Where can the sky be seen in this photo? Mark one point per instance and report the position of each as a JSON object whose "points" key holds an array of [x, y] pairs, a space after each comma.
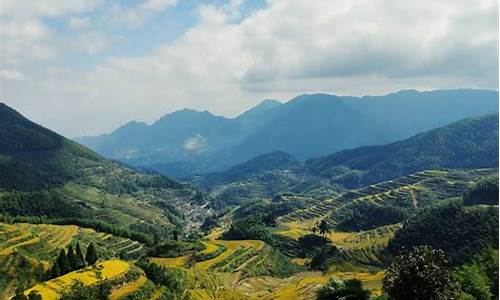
{"points": [[85, 67]]}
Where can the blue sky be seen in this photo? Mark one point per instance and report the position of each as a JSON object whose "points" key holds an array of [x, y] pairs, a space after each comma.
{"points": [[87, 66]]}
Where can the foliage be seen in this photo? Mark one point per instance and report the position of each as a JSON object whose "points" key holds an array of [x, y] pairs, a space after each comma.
{"points": [[484, 191], [459, 231], [479, 278], [469, 143], [366, 215], [79, 291], [337, 289], [249, 228], [312, 244], [420, 273], [209, 223], [70, 261], [91, 255], [173, 248], [268, 211], [175, 280], [201, 256]]}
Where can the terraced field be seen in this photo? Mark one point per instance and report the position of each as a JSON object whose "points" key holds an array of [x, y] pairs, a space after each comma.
{"points": [[214, 263], [409, 191], [28, 250], [105, 270], [128, 288]]}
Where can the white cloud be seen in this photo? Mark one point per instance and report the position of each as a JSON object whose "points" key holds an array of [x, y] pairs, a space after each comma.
{"points": [[135, 16], [195, 144], [25, 41], [79, 23], [45, 8], [227, 62], [11, 74], [92, 42]]}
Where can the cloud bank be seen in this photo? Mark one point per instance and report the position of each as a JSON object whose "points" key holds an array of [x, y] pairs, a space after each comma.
{"points": [[227, 61]]}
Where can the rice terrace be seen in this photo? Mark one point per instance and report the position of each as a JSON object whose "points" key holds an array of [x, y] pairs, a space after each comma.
{"points": [[249, 150]]}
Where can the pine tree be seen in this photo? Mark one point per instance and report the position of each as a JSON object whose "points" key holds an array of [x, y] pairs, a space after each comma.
{"points": [[55, 271], [91, 255], [323, 228], [63, 263], [72, 258], [79, 256]]}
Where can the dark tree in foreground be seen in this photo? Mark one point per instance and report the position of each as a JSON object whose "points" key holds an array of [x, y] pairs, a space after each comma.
{"points": [[72, 258], [421, 273], [34, 295], [80, 259], [63, 263], [55, 271], [343, 290], [91, 255], [19, 295], [324, 228]]}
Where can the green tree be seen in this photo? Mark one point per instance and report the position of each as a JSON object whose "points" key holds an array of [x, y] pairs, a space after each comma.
{"points": [[343, 290], [421, 273], [474, 283], [34, 295], [78, 291], [55, 271], [80, 259], [19, 295], [323, 227], [63, 263], [91, 256], [72, 258]]}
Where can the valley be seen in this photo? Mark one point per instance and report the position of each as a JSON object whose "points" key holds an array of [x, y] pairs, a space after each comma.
{"points": [[75, 224]]}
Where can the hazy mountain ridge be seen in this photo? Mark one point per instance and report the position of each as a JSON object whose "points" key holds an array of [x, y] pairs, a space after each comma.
{"points": [[307, 126]]}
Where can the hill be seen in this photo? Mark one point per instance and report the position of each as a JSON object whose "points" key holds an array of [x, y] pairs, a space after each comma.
{"points": [[47, 178], [187, 142], [470, 143]]}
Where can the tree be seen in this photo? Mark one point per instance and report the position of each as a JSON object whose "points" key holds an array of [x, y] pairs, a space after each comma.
{"points": [[91, 255], [55, 271], [337, 289], [421, 273], [63, 263], [474, 282], [79, 291], [323, 227], [175, 234], [72, 258], [34, 295], [80, 259], [19, 295]]}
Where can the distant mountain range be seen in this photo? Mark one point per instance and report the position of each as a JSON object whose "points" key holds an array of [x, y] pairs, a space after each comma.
{"points": [[189, 142], [46, 177], [468, 143]]}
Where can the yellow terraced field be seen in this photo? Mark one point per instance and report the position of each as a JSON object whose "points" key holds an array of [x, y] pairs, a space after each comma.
{"points": [[177, 262], [210, 247], [129, 287], [109, 269], [231, 246]]}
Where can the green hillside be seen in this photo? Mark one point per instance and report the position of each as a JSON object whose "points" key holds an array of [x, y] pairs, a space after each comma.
{"points": [[469, 143], [45, 177]]}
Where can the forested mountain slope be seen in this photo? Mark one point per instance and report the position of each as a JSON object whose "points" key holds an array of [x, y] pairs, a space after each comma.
{"points": [[46, 177]]}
